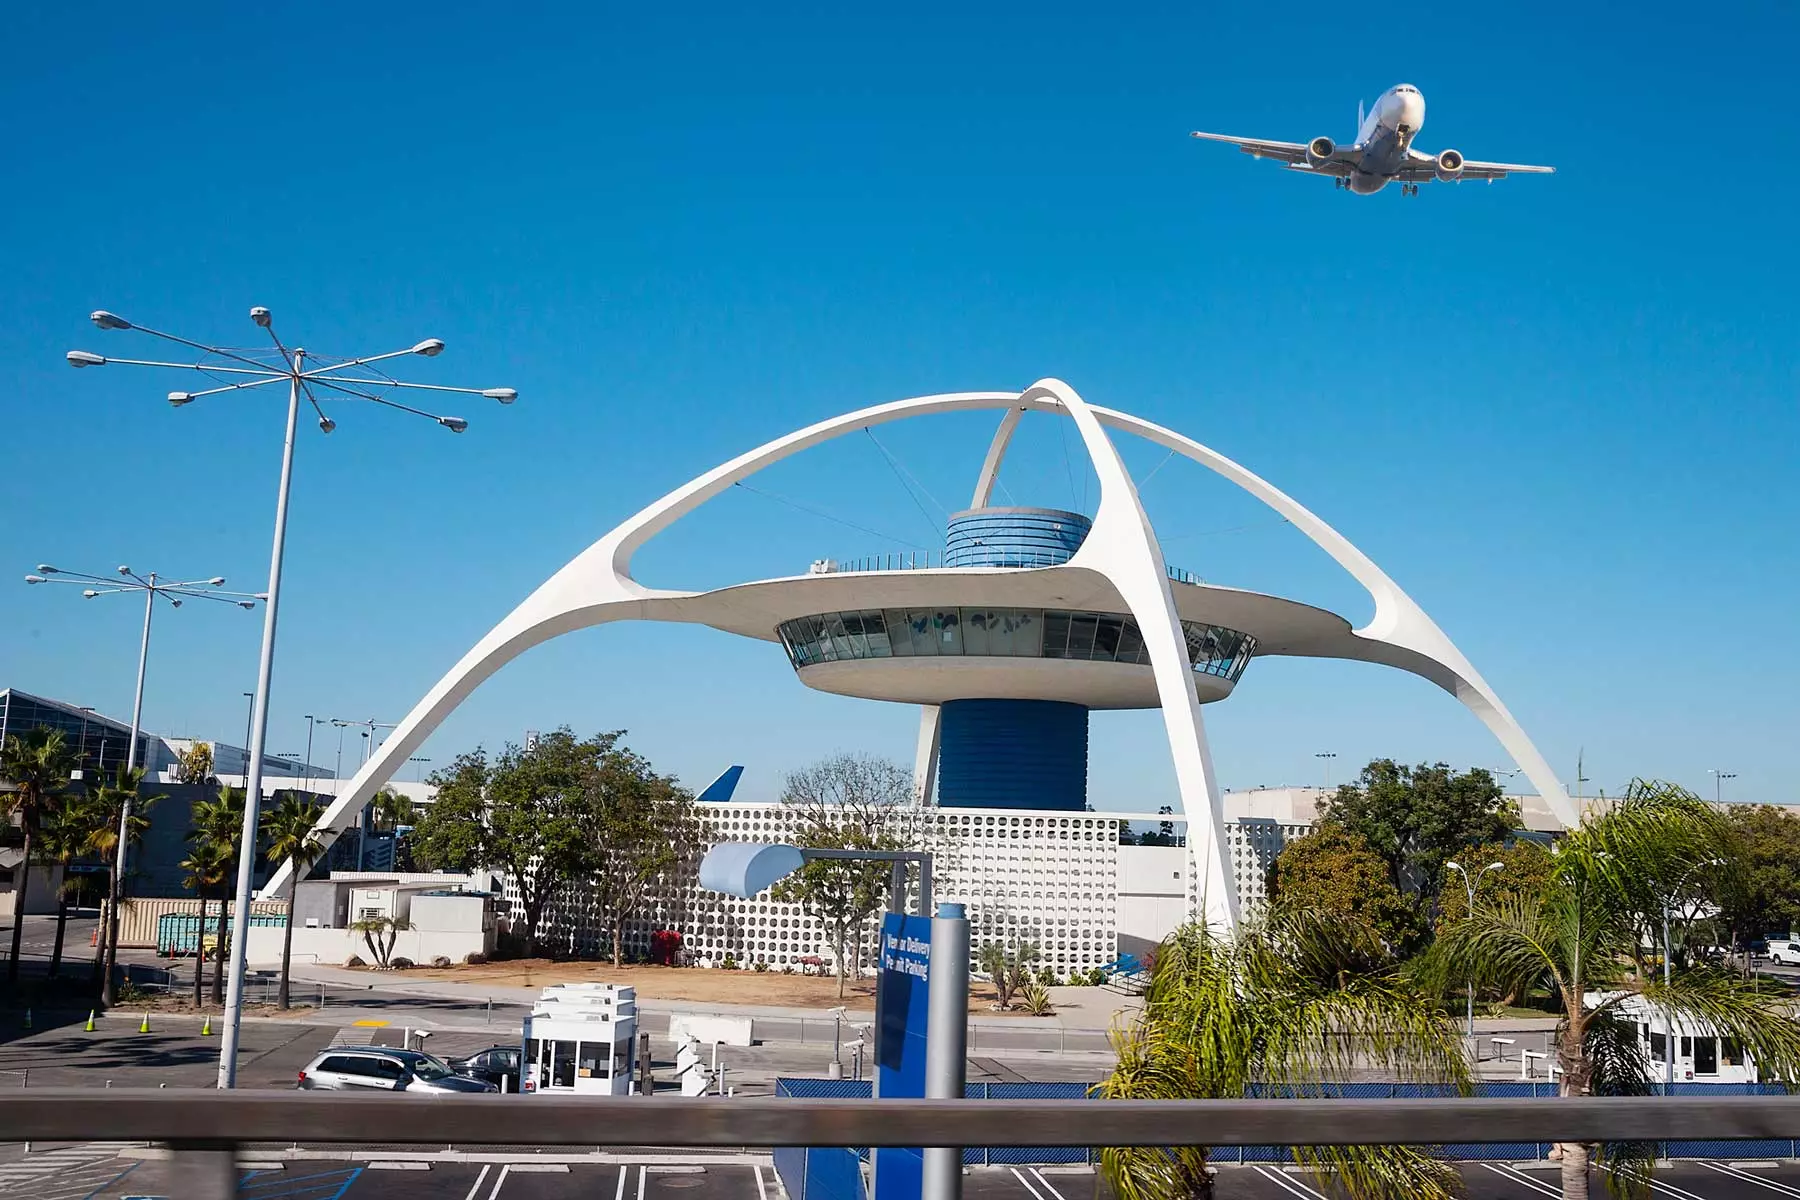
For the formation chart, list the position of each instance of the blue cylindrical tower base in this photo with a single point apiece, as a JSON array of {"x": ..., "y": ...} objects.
[{"x": 1013, "y": 754}]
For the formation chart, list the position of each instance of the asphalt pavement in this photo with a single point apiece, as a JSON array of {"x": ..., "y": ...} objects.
[{"x": 102, "y": 1173}]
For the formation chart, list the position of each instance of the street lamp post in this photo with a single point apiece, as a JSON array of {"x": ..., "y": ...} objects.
[
  {"x": 152, "y": 585},
  {"x": 368, "y": 727},
  {"x": 1326, "y": 756},
  {"x": 1669, "y": 1017},
  {"x": 238, "y": 370},
  {"x": 1719, "y": 778},
  {"x": 1469, "y": 883}
]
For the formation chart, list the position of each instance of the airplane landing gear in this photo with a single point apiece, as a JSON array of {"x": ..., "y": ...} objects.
[
  {"x": 1409, "y": 189},
  {"x": 1338, "y": 181}
]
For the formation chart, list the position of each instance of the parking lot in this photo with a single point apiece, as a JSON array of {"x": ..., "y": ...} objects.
[{"x": 99, "y": 1173}]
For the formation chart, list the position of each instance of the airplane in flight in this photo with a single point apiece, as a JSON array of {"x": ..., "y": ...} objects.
[{"x": 1382, "y": 153}]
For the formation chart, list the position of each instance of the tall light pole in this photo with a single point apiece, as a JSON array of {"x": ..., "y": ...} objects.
[
  {"x": 1326, "y": 756},
  {"x": 237, "y": 370},
  {"x": 1469, "y": 883},
  {"x": 1668, "y": 1017},
  {"x": 1719, "y": 778},
  {"x": 249, "y": 715},
  {"x": 312, "y": 723},
  {"x": 122, "y": 581},
  {"x": 368, "y": 727}
]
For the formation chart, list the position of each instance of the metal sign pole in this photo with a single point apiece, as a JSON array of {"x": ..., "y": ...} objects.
[{"x": 946, "y": 1045}]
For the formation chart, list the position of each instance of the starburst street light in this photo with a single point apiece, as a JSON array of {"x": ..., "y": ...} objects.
[
  {"x": 239, "y": 370},
  {"x": 174, "y": 592}
]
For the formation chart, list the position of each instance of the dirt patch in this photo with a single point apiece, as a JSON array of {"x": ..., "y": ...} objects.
[{"x": 701, "y": 985}]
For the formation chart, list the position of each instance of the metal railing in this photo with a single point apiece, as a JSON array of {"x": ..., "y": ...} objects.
[
  {"x": 206, "y": 1128},
  {"x": 936, "y": 560}
]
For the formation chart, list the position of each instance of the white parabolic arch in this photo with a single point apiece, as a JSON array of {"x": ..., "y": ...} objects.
[{"x": 596, "y": 587}]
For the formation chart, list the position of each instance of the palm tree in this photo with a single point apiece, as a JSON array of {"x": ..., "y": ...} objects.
[
  {"x": 62, "y": 837},
  {"x": 1295, "y": 1000},
  {"x": 293, "y": 839},
  {"x": 208, "y": 865},
  {"x": 219, "y": 825},
  {"x": 106, "y": 807},
  {"x": 37, "y": 763},
  {"x": 1580, "y": 935},
  {"x": 391, "y": 810}
]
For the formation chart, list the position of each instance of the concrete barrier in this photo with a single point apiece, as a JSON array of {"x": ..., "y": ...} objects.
[{"x": 708, "y": 1029}]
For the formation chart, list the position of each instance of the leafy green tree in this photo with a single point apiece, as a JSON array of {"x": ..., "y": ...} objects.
[
  {"x": 1418, "y": 818},
  {"x": 1762, "y": 895},
  {"x": 294, "y": 839},
  {"x": 1333, "y": 871},
  {"x": 1295, "y": 999},
  {"x": 1581, "y": 933},
  {"x": 646, "y": 826},
  {"x": 218, "y": 824},
  {"x": 37, "y": 763},
  {"x": 1525, "y": 870},
  {"x": 391, "y": 810},
  {"x": 846, "y": 802},
  {"x": 115, "y": 801},
  {"x": 530, "y": 813}
]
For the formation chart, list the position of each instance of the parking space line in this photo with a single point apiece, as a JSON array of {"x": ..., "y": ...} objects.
[
  {"x": 500, "y": 1180},
  {"x": 1656, "y": 1185},
  {"x": 762, "y": 1190},
  {"x": 624, "y": 1173},
  {"x": 1519, "y": 1177},
  {"x": 1026, "y": 1183},
  {"x": 1047, "y": 1184},
  {"x": 122, "y": 1174},
  {"x": 643, "y": 1177},
  {"x": 479, "y": 1180},
  {"x": 1292, "y": 1186},
  {"x": 1731, "y": 1172}
]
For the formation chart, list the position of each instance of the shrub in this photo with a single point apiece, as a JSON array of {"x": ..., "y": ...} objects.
[
  {"x": 355, "y": 960},
  {"x": 787, "y": 968},
  {"x": 1037, "y": 1000},
  {"x": 730, "y": 963},
  {"x": 1047, "y": 976},
  {"x": 665, "y": 947},
  {"x": 1096, "y": 977},
  {"x": 759, "y": 966},
  {"x": 441, "y": 961},
  {"x": 474, "y": 958},
  {"x": 401, "y": 963}
]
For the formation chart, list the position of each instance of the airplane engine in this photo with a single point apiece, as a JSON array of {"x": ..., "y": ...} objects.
[
  {"x": 1319, "y": 151},
  {"x": 1449, "y": 165}
]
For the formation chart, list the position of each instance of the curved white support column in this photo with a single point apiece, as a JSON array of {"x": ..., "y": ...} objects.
[
  {"x": 1123, "y": 548},
  {"x": 1398, "y": 621},
  {"x": 990, "y": 466},
  {"x": 925, "y": 759}
]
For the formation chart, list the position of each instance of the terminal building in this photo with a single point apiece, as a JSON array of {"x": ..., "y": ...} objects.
[{"x": 1030, "y": 620}]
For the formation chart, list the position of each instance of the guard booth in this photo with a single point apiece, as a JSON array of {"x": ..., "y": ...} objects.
[{"x": 579, "y": 1041}]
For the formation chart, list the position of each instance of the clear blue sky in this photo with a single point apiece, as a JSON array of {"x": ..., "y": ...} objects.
[{"x": 1560, "y": 411}]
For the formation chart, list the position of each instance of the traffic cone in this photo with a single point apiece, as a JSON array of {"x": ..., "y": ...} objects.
[
  {"x": 144, "y": 1025},
  {"x": 89, "y": 1027},
  {"x": 206, "y": 1026}
]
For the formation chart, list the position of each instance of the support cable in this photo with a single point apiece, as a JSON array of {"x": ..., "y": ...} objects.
[
  {"x": 903, "y": 475},
  {"x": 829, "y": 517}
]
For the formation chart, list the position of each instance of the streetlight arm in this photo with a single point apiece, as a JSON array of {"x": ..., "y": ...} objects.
[
  {"x": 147, "y": 362},
  {"x": 234, "y": 387},
  {"x": 424, "y": 387},
  {"x": 197, "y": 346},
  {"x": 357, "y": 362},
  {"x": 339, "y": 387}
]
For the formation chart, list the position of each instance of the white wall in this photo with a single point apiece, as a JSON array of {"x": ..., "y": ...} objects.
[
  {"x": 332, "y": 947},
  {"x": 1153, "y": 895}
]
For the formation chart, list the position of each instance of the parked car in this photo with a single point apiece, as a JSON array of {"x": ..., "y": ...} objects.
[
  {"x": 492, "y": 1065},
  {"x": 1781, "y": 950},
  {"x": 378, "y": 1068}
]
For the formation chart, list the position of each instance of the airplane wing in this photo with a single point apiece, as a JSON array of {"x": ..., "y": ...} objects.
[
  {"x": 1292, "y": 154},
  {"x": 1424, "y": 168}
]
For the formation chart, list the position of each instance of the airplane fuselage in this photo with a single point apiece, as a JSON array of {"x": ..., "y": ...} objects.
[{"x": 1385, "y": 137}]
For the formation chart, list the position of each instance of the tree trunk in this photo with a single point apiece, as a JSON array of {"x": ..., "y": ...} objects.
[
  {"x": 200, "y": 955},
  {"x": 618, "y": 940},
  {"x": 115, "y": 895},
  {"x": 532, "y": 913},
  {"x": 1574, "y": 1170},
  {"x": 19, "y": 894},
  {"x": 62, "y": 921},
  {"x": 287, "y": 940},
  {"x": 843, "y": 952},
  {"x": 218, "y": 979}
]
